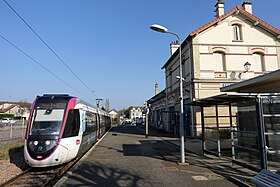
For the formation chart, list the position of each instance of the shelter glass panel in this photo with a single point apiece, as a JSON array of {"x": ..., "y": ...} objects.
[
  {"x": 271, "y": 105},
  {"x": 246, "y": 137},
  {"x": 271, "y": 109}
]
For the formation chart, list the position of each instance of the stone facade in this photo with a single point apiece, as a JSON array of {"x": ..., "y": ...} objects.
[{"x": 214, "y": 56}]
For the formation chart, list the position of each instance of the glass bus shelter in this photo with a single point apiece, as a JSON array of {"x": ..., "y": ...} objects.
[{"x": 245, "y": 127}]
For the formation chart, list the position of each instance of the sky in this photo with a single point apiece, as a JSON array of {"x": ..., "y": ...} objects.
[{"x": 107, "y": 44}]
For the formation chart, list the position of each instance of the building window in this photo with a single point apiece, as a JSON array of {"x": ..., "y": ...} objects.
[
  {"x": 220, "y": 61},
  {"x": 258, "y": 64},
  {"x": 169, "y": 81},
  {"x": 237, "y": 32}
]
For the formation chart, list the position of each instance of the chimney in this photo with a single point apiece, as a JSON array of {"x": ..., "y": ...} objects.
[
  {"x": 247, "y": 6},
  {"x": 220, "y": 8},
  {"x": 156, "y": 89},
  {"x": 174, "y": 46}
]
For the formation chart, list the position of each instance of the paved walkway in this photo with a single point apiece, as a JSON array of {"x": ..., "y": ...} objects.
[
  {"x": 222, "y": 166},
  {"x": 125, "y": 157}
]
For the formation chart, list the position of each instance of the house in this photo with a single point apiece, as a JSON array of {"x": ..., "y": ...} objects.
[
  {"x": 135, "y": 112},
  {"x": 234, "y": 47},
  {"x": 17, "y": 109},
  {"x": 113, "y": 114}
]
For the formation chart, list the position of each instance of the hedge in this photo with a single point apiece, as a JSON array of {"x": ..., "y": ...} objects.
[{"x": 6, "y": 116}]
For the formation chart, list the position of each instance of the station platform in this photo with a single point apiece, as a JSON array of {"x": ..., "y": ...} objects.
[{"x": 124, "y": 157}]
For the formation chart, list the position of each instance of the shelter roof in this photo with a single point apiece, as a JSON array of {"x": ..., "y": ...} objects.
[
  {"x": 267, "y": 83},
  {"x": 228, "y": 98}
]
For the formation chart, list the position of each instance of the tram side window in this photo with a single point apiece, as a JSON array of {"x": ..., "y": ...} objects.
[
  {"x": 72, "y": 124},
  {"x": 102, "y": 121},
  {"x": 108, "y": 122},
  {"x": 91, "y": 122}
]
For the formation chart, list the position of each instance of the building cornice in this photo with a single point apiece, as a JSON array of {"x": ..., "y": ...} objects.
[{"x": 235, "y": 45}]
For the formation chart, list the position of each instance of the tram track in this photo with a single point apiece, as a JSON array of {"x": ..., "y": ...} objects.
[
  {"x": 49, "y": 176},
  {"x": 33, "y": 177}
]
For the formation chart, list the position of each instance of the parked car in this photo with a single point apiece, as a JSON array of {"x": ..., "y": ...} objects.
[
  {"x": 7, "y": 121},
  {"x": 126, "y": 122},
  {"x": 13, "y": 121}
]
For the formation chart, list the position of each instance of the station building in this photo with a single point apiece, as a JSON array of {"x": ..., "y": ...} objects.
[{"x": 235, "y": 46}]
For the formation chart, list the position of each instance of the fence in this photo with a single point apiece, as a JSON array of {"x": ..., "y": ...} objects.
[{"x": 12, "y": 131}]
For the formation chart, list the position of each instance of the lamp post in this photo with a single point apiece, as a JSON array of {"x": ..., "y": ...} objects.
[
  {"x": 162, "y": 29},
  {"x": 147, "y": 119}
]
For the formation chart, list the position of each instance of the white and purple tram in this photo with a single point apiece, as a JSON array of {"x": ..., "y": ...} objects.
[{"x": 60, "y": 128}]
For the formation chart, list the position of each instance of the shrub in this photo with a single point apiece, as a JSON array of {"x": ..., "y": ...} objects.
[
  {"x": 224, "y": 133},
  {"x": 6, "y": 116}
]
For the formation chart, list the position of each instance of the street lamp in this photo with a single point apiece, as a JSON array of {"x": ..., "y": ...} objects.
[
  {"x": 247, "y": 66},
  {"x": 162, "y": 29}
]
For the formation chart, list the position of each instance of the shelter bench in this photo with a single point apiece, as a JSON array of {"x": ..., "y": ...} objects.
[{"x": 266, "y": 178}]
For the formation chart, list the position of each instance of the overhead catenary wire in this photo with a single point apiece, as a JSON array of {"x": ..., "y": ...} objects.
[
  {"x": 45, "y": 43},
  {"x": 42, "y": 66}
]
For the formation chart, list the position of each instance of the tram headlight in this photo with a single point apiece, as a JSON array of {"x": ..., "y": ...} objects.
[{"x": 48, "y": 142}]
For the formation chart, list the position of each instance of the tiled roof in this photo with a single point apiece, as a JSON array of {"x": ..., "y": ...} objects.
[
  {"x": 8, "y": 108},
  {"x": 238, "y": 8},
  {"x": 137, "y": 107},
  {"x": 211, "y": 23}
]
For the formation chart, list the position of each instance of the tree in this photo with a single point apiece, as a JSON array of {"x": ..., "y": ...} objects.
[
  {"x": 127, "y": 112},
  {"x": 24, "y": 104}
]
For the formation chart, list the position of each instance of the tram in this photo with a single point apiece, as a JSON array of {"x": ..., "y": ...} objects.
[{"x": 60, "y": 128}]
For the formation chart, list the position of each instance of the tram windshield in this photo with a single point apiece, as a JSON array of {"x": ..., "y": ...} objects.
[{"x": 47, "y": 118}]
